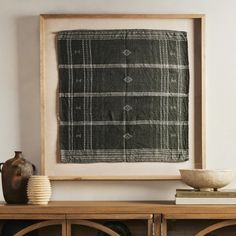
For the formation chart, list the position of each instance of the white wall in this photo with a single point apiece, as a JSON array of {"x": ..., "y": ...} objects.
[{"x": 19, "y": 87}]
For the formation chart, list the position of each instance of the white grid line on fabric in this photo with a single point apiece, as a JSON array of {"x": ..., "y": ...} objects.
[
  {"x": 102, "y": 156},
  {"x": 142, "y": 157},
  {"x": 124, "y": 100},
  {"x": 181, "y": 88},
  {"x": 87, "y": 98},
  {"x": 84, "y": 93},
  {"x": 130, "y": 159},
  {"x": 167, "y": 89},
  {"x": 137, "y": 65},
  {"x": 125, "y": 122},
  {"x": 178, "y": 90},
  {"x": 121, "y": 94},
  {"x": 91, "y": 97},
  {"x": 164, "y": 105},
  {"x": 68, "y": 111},
  {"x": 70, "y": 100},
  {"x": 87, "y": 90},
  {"x": 161, "y": 98},
  {"x": 124, "y": 132},
  {"x": 120, "y": 151},
  {"x": 88, "y": 118}
]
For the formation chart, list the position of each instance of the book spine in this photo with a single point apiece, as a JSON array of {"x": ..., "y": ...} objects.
[
  {"x": 205, "y": 201},
  {"x": 207, "y": 195}
]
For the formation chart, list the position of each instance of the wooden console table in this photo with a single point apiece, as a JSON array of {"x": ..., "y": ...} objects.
[{"x": 147, "y": 218}]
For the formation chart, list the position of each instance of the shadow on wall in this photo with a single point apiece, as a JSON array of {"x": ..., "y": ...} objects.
[{"x": 27, "y": 41}]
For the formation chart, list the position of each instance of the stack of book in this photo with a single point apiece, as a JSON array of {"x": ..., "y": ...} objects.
[{"x": 192, "y": 196}]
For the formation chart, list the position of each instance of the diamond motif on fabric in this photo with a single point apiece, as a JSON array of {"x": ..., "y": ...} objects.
[
  {"x": 126, "y": 52},
  {"x": 77, "y": 51},
  {"x": 127, "y": 108},
  {"x": 128, "y": 79},
  {"x": 127, "y": 136}
]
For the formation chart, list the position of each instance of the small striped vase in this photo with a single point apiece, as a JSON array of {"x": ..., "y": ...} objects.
[{"x": 39, "y": 190}]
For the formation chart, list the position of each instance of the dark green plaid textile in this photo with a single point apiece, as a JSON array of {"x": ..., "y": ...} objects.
[{"x": 123, "y": 95}]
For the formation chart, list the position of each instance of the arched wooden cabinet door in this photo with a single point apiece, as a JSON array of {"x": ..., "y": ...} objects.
[
  {"x": 42, "y": 225},
  {"x": 90, "y": 224},
  {"x": 216, "y": 226}
]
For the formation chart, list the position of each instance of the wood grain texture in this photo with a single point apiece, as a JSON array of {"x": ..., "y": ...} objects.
[
  {"x": 64, "y": 229},
  {"x": 28, "y": 216},
  {"x": 164, "y": 229},
  {"x": 115, "y": 178},
  {"x": 149, "y": 227},
  {"x": 110, "y": 216},
  {"x": 123, "y": 16},
  {"x": 42, "y": 95},
  {"x": 38, "y": 226},
  {"x": 155, "y": 214},
  {"x": 157, "y": 224},
  {"x": 199, "y": 94},
  {"x": 118, "y": 207},
  {"x": 189, "y": 216},
  {"x": 94, "y": 225},
  {"x": 216, "y": 226}
]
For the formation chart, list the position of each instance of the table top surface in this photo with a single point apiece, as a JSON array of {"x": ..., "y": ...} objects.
[{"x": 114, "y": 207}]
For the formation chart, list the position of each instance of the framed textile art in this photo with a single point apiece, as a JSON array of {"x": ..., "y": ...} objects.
[{"x": 121, "y": 96}]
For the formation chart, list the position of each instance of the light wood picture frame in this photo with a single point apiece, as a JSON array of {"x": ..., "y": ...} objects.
[{"x": 194, "y": 24}]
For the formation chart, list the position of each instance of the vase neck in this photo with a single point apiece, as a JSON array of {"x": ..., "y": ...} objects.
[{"x": 18, "y": 154}]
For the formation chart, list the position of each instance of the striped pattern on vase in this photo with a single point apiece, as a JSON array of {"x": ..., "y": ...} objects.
[{"x": 39, "y": 189}]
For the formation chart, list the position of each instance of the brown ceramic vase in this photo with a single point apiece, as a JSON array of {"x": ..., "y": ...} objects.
[{"x": 15, "y": 174}]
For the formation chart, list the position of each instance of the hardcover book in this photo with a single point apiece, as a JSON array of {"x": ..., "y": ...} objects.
[
  {"x": 204, "y": 200},
  {"x": 193, "y": 196},
  {"x": 193, "y": 193}
]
